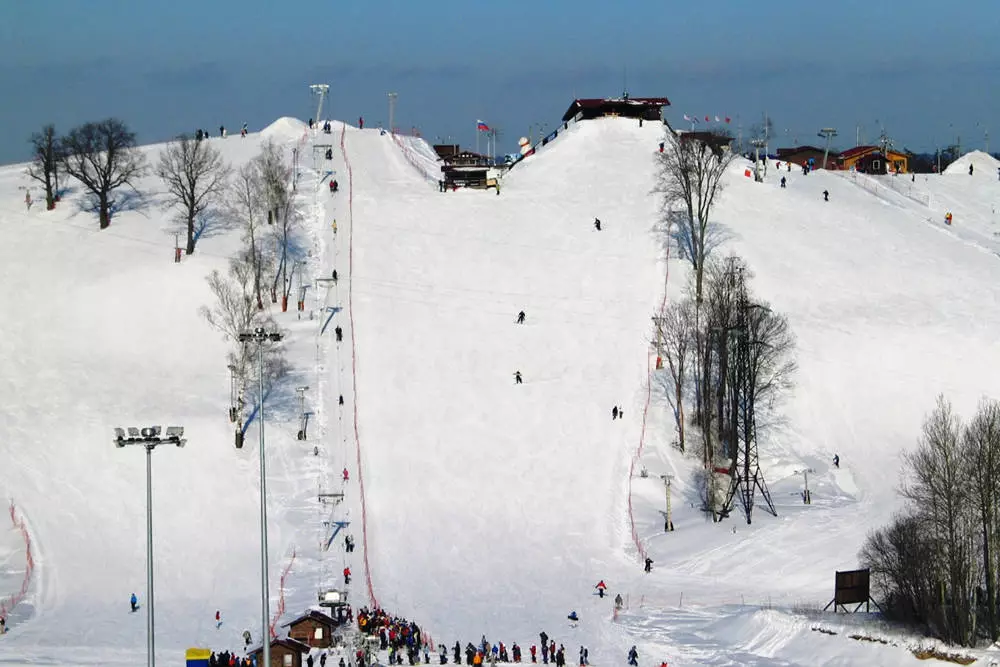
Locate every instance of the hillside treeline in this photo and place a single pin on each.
(935, 566)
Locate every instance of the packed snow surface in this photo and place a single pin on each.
(492, 508)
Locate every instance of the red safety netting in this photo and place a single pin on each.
(645, 412)
(354, 362)
(12, 601)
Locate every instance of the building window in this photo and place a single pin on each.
(318, 633)
(876, 165)
(286, 660)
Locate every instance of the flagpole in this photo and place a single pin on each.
(477, 137)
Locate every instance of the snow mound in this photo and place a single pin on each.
(285, 128)
(981, 162)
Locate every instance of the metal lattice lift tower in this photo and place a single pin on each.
(321, 90)
(747, 477)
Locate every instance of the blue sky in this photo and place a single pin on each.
(927, 71)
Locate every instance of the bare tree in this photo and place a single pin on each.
(675, 331)
(276, 185)
(103, 157)
(235, 311)
(248, 205)
(689, 178)
(195, 176)
(981, 445)
(938, 488)
(44, 167)
(900, 559)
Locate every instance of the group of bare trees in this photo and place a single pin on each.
(697, 341)
(102, 156)
(698, 335)
(936, 565)
(259, 199)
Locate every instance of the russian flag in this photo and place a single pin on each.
(482, 127)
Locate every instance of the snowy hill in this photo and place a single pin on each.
(490, 507)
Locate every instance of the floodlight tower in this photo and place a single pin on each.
(392, 112)
(260, 335)
(321, 90)
(829, 133)
(149, 438)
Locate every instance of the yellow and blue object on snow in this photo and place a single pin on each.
(197, 657)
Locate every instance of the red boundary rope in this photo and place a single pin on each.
(281, 597)
(354, 362)
(645, 412)
(29, 568)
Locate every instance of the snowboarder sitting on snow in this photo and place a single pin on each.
(947, 218)
(573, 617)
(520, 317)
(600, 588)
(134, 601)
(782, 181)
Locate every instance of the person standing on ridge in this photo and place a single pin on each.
(520, 317)
(361, 122)
(517, 377)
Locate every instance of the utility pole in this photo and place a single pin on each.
(806, 498)
(829, 133)
(757, 145)
(392, 112)
(668, 523)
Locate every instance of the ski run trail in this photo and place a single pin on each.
(478, 506)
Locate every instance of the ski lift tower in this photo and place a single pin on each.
(321, 90)
(392, 112)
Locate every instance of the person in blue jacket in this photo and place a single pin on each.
(134, 601)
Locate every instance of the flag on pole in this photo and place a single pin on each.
(707, 119)
(727, 119)
(717, 119)
(482, 127)
(688, 118)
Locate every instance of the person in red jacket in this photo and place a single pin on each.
(600, 588)
(346, 474)
(347, 575)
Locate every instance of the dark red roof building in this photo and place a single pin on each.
(647, 108)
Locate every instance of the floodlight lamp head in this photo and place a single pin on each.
(275, 337)
(175, 431)
(148, 432)
(259, 331)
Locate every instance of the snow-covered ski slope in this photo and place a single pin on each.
(492, 508)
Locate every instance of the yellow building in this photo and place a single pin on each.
(869, 160)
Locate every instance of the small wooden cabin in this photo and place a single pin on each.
(646, 108)
(313, 628)
(285, 652)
